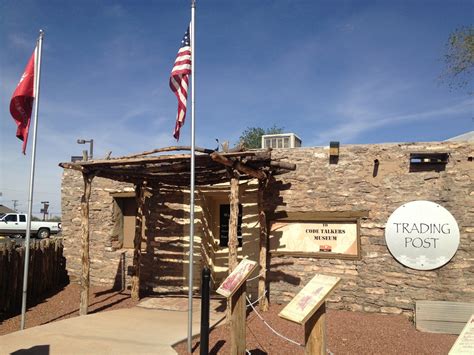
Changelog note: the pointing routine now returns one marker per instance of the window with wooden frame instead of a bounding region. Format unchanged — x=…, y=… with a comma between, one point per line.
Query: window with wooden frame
x=124, y=216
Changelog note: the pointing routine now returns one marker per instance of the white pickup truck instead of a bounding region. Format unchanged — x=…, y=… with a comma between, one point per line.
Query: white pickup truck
x=15, y=224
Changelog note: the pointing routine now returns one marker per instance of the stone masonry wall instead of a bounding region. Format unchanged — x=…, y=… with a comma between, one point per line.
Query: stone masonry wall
x=162, y=251
x=108, y=265
x=377, y=282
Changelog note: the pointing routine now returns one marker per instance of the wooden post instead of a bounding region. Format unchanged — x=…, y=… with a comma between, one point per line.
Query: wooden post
x=315, y=332
x=233, y=221
x=237, y=322
x=233, y=227
x=233, y=288
x=85, y=275
x=262, y=218
x=137, y=241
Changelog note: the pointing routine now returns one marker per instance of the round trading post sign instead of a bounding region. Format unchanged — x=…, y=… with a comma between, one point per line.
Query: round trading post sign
x=422, y=235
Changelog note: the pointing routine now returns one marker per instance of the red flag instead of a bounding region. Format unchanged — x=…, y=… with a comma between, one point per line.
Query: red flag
x=21, y=104
x=179, y=81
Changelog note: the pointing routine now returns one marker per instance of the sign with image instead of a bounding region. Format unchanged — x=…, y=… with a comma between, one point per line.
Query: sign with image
x=308, y=237
x=422, y=235
x=309, y=299
x=236, y=278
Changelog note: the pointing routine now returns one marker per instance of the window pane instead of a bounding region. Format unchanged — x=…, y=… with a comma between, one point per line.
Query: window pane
x=22, y=218
x=11, y=218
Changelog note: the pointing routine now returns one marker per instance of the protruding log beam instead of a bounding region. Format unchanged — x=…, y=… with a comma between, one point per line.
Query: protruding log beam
x=262, y=218
x=72, y=166
x=85, y=274
x=283, y=165
x=140, y=195
x=233, y=221
x=238, y=166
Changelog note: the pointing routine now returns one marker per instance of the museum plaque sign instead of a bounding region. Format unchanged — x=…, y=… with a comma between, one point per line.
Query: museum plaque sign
x=329, y=238
x=422, y=235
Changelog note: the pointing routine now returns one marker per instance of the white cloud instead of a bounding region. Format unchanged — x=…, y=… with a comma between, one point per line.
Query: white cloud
x=358, y=120
x=20, y=41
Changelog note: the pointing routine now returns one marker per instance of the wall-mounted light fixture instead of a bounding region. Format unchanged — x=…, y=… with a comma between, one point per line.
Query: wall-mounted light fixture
x=333, y=152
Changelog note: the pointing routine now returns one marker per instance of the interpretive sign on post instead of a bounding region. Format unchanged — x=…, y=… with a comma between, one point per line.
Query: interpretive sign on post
x=233, y=288
x=464, y=345
x=236, y=278
x=309, y=308
x=308, y=300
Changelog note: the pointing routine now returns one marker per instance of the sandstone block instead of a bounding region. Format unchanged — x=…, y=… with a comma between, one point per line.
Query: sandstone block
x=390, y=310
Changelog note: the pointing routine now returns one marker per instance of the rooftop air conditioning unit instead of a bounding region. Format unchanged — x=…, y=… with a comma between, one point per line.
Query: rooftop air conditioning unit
x=283, y=140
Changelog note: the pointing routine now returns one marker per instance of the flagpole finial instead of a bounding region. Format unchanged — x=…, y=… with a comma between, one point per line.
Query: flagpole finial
x=41, y=33
x=193, y=3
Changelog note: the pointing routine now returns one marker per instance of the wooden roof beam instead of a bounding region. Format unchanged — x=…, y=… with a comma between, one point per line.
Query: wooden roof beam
x=258, y=174
x=167, y=149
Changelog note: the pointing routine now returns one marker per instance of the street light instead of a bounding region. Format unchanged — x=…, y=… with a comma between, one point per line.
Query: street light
x=91, y=146
x=44, y=210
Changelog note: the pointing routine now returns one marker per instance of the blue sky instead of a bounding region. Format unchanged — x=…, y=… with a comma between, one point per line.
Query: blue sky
x=353, y=71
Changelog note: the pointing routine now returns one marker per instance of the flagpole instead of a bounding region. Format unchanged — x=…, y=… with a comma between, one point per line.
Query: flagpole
x=38, y=52
x=191, y=225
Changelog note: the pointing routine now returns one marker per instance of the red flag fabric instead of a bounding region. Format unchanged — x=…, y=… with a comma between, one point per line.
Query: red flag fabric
x=21, y=104
x=179, y=81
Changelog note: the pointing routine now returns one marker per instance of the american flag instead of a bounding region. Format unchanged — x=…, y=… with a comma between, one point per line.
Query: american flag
x=179, y=80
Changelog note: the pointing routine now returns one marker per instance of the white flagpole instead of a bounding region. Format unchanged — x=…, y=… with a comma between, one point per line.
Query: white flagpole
x=191, y=221
x=38, y=51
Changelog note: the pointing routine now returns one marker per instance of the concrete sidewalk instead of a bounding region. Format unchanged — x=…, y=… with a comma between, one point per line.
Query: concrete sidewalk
x=152, y=327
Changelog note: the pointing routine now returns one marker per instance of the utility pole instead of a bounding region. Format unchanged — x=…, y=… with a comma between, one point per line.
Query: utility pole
x=15, y=203
x=44, y=210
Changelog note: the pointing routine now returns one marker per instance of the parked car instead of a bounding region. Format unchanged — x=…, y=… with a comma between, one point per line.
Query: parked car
x=14, y=224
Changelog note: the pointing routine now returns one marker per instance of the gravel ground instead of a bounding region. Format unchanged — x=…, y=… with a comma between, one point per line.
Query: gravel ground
x=65, y=304
x=347, y=332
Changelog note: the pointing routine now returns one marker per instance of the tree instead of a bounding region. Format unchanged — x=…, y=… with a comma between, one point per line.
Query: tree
x=251, y=138
x=459, y=57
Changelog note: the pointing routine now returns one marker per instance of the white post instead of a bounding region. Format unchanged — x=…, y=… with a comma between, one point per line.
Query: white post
x=38, y=51
x=191, y=225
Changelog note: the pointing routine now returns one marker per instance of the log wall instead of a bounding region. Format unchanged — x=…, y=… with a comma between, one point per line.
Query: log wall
x=46, y=272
